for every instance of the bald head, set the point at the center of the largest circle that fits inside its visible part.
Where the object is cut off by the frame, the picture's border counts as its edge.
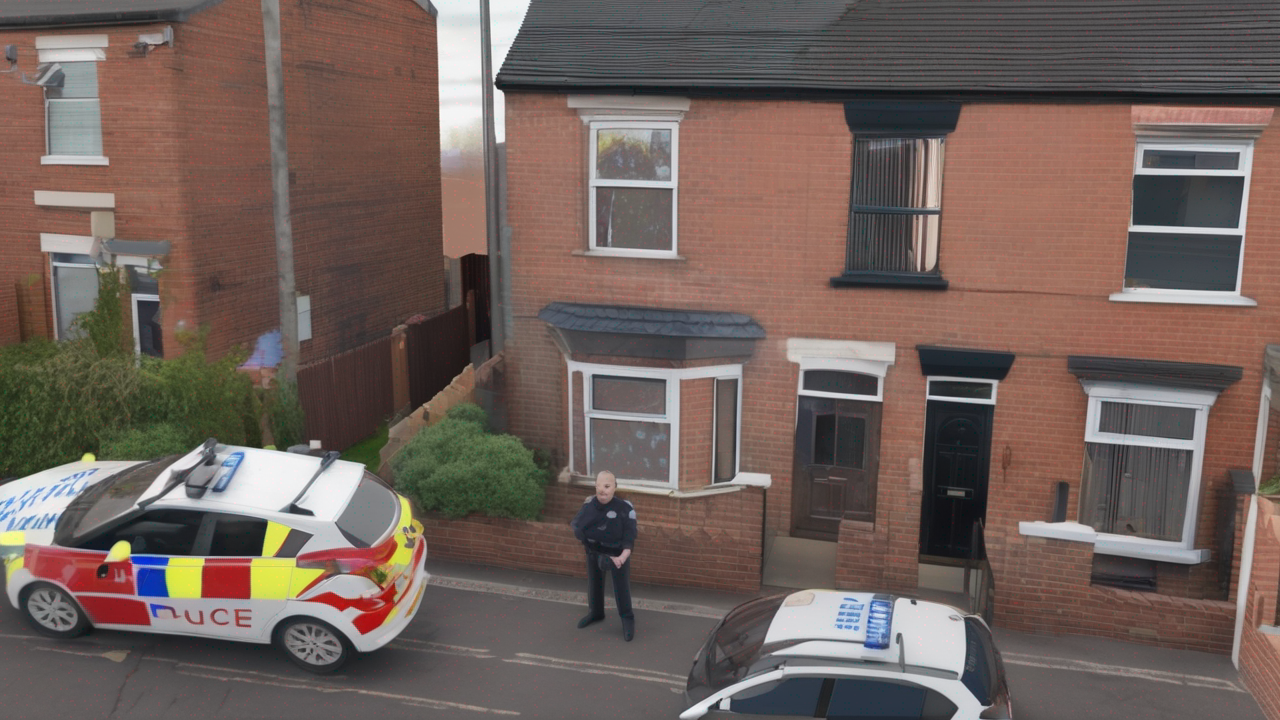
(606, 486)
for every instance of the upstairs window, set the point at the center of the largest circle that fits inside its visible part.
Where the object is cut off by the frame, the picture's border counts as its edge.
(1186, 234)
(73, 114)
(633, 187)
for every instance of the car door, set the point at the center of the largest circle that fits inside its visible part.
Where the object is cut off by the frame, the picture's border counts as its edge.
(248, 573)
(856, 698)
(794, 697)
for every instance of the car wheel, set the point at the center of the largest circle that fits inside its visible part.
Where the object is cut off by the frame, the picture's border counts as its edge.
(313, 645)
(53, 612)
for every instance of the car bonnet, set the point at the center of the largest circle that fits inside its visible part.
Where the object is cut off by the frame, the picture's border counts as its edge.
(32, 505)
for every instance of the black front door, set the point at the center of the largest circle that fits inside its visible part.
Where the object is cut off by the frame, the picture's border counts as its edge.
(957, 455)
(836, 456)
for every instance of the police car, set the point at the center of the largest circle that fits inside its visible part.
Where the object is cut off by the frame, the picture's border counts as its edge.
(830, 654)
(315, 555)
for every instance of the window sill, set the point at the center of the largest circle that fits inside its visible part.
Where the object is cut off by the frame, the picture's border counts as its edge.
(739, 482)
(74, 160)
(1184, 299)
(890, 279)
(636, 254)
(1119, 545)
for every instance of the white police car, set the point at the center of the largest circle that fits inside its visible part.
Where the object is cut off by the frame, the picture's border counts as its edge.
(315, 555)
(836, 655)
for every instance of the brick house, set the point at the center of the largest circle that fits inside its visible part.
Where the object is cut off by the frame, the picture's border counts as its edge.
(154, 151)
(866, 274)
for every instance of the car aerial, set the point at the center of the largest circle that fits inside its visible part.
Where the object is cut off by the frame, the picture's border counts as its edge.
(315, 555)
(832, 654)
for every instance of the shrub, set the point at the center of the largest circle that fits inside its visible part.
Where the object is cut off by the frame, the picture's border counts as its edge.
(145, 443)
(456, 467)
(285, 417)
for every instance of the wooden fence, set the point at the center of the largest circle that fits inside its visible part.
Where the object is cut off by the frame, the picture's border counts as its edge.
(346, 397)
(439, 349)
(475, 276)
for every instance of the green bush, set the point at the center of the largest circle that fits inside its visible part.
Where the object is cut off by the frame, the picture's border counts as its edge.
(145, 443)
(458, 468)
(284, 415)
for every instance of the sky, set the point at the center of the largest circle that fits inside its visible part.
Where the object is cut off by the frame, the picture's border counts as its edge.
(458, 34)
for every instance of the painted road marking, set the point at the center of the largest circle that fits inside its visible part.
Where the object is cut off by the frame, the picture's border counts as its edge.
(112, 655)
(590, 668)
(572, 598)
(404, 643)
(1172, 678)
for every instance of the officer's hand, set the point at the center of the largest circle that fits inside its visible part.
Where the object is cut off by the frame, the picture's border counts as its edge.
(618, 561)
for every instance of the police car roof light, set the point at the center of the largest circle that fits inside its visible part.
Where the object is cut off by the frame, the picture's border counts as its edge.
(325, 462)
(208, 452)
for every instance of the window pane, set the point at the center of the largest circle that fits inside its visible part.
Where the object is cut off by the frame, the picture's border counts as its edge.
(150, 337)
(80, 80)
(897, 172)
(893, 242)
(1187, 201)
(635, 218)
(1190, 160)
(631, 450)
(726, 429)
(633, 154)
(238, 537)
(642, 396)
(76, 291)
(851, 433)
(369, 513)
(1182, 262)
(794, 696)
(75, 127)
(824, 439)
(982, 671)
(1150, 420)
(845, 383)
(884, 700)
(957, 389)
(1132, 490)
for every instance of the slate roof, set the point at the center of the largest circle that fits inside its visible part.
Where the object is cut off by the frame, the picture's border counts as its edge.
(43, 13)
(986, 47)
(650, 321)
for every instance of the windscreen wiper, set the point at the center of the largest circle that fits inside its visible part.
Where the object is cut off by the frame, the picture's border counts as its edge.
(325, 462)
(208, 451)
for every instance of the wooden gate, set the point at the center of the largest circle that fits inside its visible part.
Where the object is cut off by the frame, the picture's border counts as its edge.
(347, 396)
(475, 276)
(439, 349)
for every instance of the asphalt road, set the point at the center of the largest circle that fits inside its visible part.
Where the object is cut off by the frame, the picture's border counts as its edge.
(517, 653)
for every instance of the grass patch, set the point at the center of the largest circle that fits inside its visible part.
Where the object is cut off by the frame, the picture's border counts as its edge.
(366, 451)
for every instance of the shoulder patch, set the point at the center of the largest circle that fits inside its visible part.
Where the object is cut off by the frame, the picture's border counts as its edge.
(629, 503)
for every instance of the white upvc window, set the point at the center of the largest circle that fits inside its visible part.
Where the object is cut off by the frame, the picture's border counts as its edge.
(74, 282)
(632, 421)
(842, 379)
(1144, 449)
(976, 391)
(73, 116)
(634, 187)
(1187, 226)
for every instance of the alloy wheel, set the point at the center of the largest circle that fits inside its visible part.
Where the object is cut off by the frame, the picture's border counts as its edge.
(313, 644)
(52, 609)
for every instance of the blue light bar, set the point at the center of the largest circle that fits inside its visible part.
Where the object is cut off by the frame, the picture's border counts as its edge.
(227, 471)
(879, 622)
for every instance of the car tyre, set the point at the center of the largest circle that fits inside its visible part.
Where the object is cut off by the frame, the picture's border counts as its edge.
(313, 645)
(52, 611)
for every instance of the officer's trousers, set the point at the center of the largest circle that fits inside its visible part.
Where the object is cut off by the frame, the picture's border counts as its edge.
(621, 584)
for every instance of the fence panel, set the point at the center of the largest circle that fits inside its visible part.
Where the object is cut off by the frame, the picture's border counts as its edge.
(438, 351)
(346, 397)
(475, 276)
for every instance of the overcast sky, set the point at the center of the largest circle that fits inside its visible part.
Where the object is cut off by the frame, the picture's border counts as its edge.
(458, 33)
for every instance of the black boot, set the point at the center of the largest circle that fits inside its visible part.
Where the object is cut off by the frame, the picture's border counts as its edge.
(628, 628)
(588, 619)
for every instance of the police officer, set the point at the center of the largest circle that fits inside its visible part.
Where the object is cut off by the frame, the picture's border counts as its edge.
(606, 527)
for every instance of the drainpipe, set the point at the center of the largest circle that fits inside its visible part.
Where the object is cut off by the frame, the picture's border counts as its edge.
(280, 190)
(496, 309)
(1251, 523)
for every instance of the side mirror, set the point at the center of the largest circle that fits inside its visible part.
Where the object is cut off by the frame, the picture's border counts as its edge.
(120, 552)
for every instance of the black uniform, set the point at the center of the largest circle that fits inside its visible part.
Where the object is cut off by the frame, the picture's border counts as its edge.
(605, 531)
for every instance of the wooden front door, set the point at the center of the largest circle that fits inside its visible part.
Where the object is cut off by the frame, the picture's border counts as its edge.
(957, 454)
(837, 453)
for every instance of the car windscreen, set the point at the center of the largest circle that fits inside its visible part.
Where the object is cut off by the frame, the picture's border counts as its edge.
(982, 668)
(107, 500)
(736, 644)
(372, 509)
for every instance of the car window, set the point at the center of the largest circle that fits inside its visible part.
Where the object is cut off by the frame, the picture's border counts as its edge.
(237, 536)
(108, 500)
(793, 696)
(981, 665)
(875, 699)
(369, 513)
(737, 643)
(157, 532)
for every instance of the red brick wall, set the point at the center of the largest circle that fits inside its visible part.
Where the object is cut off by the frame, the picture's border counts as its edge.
(1260, 653)
(697, 409)
(1034, 239)
(718, 536)
(10, 327)
(185, 129)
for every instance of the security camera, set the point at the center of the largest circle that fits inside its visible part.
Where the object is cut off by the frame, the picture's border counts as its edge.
(141, 46)
(48, 75)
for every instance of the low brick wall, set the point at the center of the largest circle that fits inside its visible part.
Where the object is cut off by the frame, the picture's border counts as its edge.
(1260, 652)
(707, 542)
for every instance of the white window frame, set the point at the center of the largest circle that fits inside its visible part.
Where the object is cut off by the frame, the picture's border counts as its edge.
(1198, 400)
(737, 425)
(53, 290)
(137, 336)
(66, 49)
(872, 368)
(995, 384)
(673, 378)
(1245, 170)
(593, 183)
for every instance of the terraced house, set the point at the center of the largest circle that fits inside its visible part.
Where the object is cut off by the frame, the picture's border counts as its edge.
(884, 281)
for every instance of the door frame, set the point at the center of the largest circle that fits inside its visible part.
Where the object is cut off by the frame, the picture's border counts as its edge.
(926, 464)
